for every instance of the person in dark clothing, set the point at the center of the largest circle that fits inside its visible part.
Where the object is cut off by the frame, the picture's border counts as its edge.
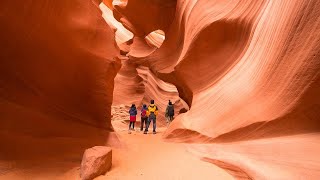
(144, 117)
(169, 112)
(152, 113)
(133, 114)
(166, 113)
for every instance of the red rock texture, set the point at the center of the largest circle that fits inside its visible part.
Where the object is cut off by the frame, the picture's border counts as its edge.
(128, 87)
(137, 84)
(96, 161)
(56, 78)
(249, 71)
(145, 16)
(253, 83)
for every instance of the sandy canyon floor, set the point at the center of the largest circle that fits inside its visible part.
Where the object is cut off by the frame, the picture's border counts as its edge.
(140, 156)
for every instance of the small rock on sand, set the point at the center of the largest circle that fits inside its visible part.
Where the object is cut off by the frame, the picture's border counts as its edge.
(96, 161)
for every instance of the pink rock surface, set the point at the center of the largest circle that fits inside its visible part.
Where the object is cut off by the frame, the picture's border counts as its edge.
(247, 71)
(128, 87)
(256, 86)
(250, 72)
(137, 84)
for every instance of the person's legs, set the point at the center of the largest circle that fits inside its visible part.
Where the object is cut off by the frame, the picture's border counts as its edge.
(154, 125)
(145, 121)
(133, 125)
(147, 125)
(130, 125)
(141, 126)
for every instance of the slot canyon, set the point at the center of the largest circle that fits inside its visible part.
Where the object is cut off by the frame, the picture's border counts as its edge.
(243, 75)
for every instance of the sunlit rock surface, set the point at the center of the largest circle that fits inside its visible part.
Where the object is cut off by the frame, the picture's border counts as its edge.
(250, 72)
(246, 72)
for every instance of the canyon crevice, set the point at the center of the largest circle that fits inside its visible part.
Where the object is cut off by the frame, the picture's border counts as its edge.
(244, 76)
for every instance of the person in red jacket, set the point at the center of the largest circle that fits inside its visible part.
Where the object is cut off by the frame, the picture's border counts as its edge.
(133, 116)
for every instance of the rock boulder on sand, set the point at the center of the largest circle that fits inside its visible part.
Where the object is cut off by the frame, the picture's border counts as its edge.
(96, 161)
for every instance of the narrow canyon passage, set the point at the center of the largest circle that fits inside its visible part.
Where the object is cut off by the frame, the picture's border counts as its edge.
(243, 75)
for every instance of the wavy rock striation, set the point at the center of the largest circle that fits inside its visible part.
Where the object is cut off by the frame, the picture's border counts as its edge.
(250, 72)
(135, 83)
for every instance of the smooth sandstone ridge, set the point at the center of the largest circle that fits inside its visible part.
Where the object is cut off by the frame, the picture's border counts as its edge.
(249, 71)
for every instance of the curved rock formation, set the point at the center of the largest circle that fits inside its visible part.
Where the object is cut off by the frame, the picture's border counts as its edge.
(138, 85)
(155, 38)
(145, 16)
(257, 76)
(56, 79)
(129, 87)
(161, 92)
(122, 35)
(250, 72)
(135, 83)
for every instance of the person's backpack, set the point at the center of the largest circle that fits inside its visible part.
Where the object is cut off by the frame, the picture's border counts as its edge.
(143, 113)
(152, 109)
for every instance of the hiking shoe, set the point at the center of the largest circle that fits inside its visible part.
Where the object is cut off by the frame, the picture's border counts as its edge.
(145, 132)
(154, 132)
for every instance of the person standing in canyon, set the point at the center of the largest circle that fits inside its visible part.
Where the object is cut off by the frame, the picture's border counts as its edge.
(152, 113)
(169, 112)
(144, 117)
(133, 116)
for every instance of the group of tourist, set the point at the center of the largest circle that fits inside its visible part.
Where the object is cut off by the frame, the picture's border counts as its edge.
(149, 114)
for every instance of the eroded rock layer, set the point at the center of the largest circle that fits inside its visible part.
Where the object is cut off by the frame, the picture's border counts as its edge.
(160, 91)
(135, 83)
(258, 76)
(138, 85)
(56, 79)
(129, 87)
(250, 72)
